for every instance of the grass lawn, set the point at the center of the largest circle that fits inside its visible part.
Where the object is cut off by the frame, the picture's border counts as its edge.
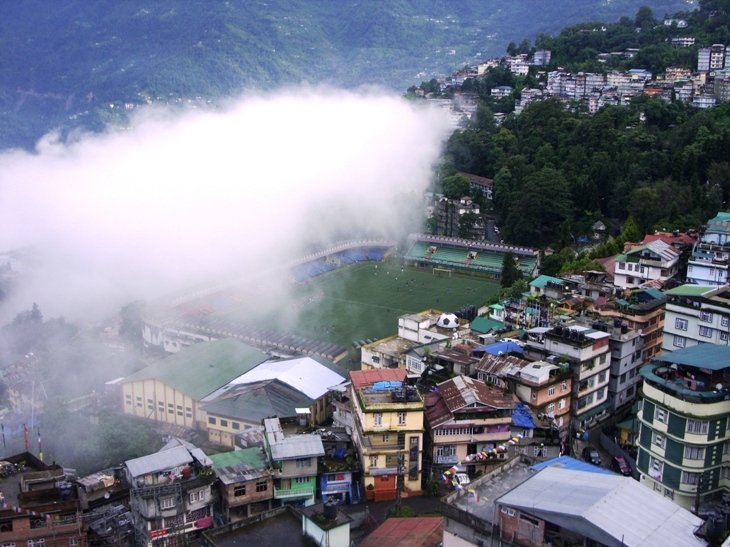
(364, 301)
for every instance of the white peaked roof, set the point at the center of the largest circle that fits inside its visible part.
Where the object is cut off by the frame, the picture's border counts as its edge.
(304, 374)
(610, 509)
(159, 461)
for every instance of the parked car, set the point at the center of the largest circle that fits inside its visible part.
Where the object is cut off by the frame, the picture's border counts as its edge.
(620, 466)
(590, 455)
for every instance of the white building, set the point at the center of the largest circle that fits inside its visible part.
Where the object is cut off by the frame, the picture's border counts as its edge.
(651, 261)
(708, 264)
(696, 314)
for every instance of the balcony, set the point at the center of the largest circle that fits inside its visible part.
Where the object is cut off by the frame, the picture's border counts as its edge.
(675, 383)
(288, 493)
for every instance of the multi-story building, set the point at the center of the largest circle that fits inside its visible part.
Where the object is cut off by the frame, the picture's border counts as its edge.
(722, 90)
(171, 499)
(587, 352)
(653, 261)
(684, 437)
(388, 433)
(294, 459)
(39, 506)
(465, 417)
(683, 41)
(696, 314)
(246, 484)
(626, 357)
(717, 57)
(703, 59)
(545, 388)
(541, 57)
(643, 312)
(708, 264)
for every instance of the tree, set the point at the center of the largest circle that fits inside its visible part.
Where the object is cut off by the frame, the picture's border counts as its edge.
(510, 272)
(468, 225)
(456, 186)
(518, 288)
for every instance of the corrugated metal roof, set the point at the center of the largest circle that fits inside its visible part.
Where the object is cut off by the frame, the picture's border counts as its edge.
(566, 462)
(462, 391)
(159, 461)
(297, 446)
(255, 401)
(240, 465)
(202, 368)
(500, 364)
(304, 374)
(366, 378)
(709, 356)
(609, 509)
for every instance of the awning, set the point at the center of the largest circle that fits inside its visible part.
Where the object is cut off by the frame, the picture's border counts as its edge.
(593, 412)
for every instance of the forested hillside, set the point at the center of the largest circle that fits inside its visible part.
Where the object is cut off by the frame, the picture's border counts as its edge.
(557, 169)
(64, 63)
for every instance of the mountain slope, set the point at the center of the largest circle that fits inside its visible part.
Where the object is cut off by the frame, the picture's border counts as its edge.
(63, 63)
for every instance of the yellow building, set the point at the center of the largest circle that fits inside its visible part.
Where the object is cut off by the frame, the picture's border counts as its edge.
(388, 430)
(171, 390)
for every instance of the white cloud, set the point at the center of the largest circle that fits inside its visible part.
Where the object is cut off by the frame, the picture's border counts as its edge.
(181, 196)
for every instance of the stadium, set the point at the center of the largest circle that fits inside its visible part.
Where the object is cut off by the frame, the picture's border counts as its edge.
(468, 256)
(348, 292)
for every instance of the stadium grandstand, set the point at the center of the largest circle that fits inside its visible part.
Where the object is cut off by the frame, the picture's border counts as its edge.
(207, 312)
(464, 255)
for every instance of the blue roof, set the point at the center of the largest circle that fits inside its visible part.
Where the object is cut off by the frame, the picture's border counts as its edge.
(521, 417)
(566, 462)
(501, 347)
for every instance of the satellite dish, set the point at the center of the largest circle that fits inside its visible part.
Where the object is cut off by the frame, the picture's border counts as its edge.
(640, 332)
(107, 495)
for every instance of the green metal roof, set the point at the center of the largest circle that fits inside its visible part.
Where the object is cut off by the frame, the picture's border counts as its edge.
(481, 324)
(250, 457)
(543, 280)
(691, 290)
(496, 307)
(200, 369)
(708, 356)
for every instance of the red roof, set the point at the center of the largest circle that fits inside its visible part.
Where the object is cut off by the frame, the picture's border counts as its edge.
(670, 239)
(366, 378)
(407, 532)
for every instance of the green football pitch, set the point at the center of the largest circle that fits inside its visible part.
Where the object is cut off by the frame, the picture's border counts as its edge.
(363, 301)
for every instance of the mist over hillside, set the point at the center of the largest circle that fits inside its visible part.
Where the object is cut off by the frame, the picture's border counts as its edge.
(83, 65)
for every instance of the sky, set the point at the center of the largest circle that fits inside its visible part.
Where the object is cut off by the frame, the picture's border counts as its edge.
(182, 196)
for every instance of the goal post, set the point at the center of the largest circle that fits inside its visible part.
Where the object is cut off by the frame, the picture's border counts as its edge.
(440, 271)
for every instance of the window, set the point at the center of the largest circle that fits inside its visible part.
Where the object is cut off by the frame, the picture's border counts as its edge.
(725, 473)
(669, 493)
(725, 321)
(170, 411)
(304, 462)
(706, 332)
(551, 408)
(622, 378)
(661, 415)
(401, 418)
(600, 394)
(239, 490)
(657, 487)
(705, 317)
(602, 377)
(37, 543)
(659, 440)
(262, 486)
(694, 452)
(551, 391)
(602, 359)
(680, 324)
(235, 425)
(534, 395)
(622, 265)
(564, 385)
(697, 426)
(224, 423)
(167, 503)
(302, 480)
(446, 450)
(378, 418)
(690, 478)
(170, 405)
(656, 468)
(723, 336)
(197, 496)
(179, 407)
(386, 438)
(561, 404)
(391, 460)
(150, 401)
(373, 461)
